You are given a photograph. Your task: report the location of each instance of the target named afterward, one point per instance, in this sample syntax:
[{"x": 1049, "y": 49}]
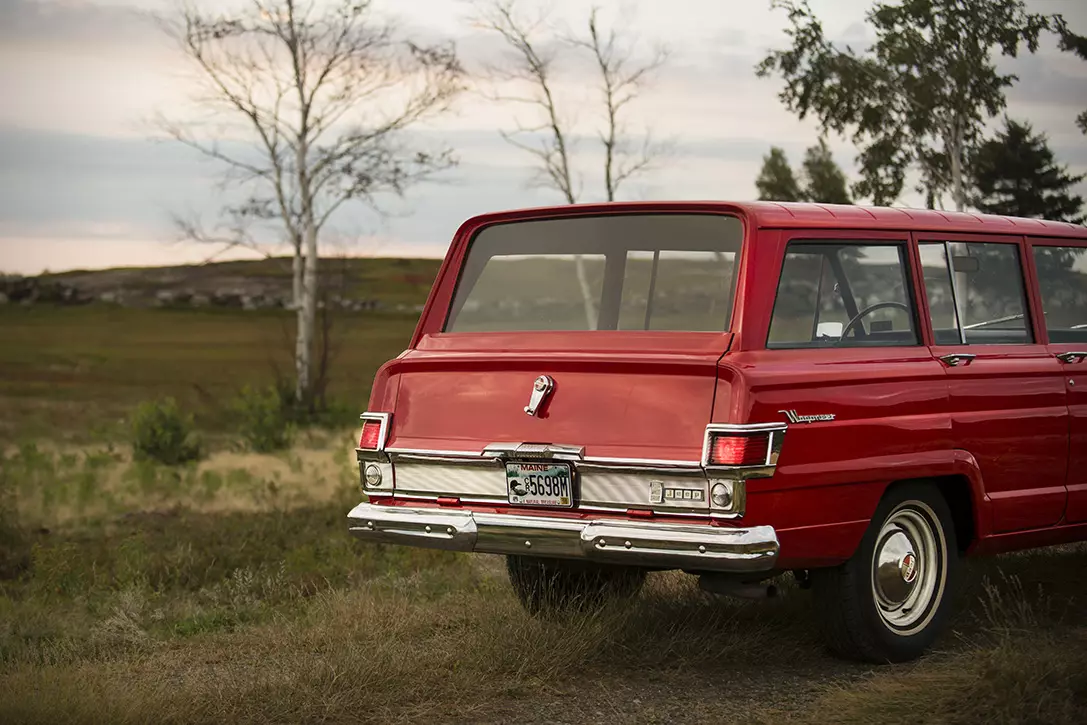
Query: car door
[
  {"x": 1061, "y": 273},
  {"x": 1007, "y": 393}
]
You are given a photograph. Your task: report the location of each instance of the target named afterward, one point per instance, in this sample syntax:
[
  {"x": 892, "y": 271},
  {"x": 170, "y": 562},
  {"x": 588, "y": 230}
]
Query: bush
[
  {"x": 264, "y": 418},
  {"x": 161, "y": 432}
]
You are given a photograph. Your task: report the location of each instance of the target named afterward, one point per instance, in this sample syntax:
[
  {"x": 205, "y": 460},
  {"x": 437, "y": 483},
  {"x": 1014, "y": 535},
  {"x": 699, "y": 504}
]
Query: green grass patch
[{"x": 76, "y": 373}]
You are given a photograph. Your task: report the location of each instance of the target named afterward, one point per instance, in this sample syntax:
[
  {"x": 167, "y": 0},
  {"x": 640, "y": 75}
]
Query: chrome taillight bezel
[{"x": 765, "y": 469}]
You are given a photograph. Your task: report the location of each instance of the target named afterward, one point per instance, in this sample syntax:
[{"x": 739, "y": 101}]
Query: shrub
[
  {"x": 264, "y": 419},
  {"x": 161, "y": 432}
]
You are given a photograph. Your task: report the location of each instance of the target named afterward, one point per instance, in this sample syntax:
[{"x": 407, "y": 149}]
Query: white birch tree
[{"x": 309, "y": 106}]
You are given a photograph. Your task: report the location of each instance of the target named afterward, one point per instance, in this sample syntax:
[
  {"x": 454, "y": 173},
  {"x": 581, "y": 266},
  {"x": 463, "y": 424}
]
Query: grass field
[
  {"x": 74, "y": 373},
  {"x": 229, "y": 591}
]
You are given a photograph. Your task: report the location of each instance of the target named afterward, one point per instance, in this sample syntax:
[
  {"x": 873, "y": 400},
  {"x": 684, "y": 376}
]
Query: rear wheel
[
  {"x": 551, "y": 585},
  {"x": 889, "y": 602}
]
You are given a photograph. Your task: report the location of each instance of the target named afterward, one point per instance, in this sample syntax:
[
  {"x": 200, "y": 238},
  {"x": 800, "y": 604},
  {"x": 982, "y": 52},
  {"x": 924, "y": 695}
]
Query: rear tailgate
[{"x": 651, "y": 401}]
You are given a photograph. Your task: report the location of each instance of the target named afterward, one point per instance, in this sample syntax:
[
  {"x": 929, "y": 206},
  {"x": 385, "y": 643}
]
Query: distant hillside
[{"x": 353, "y": 283}]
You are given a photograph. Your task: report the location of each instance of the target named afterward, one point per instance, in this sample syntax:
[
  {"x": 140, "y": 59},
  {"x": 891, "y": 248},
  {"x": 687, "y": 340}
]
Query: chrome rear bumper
[{"x": 634, "y": 543}]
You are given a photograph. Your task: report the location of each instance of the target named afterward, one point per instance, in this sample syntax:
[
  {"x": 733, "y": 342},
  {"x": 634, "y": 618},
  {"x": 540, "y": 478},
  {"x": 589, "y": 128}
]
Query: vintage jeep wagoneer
[{"x": 858, "y": 396}]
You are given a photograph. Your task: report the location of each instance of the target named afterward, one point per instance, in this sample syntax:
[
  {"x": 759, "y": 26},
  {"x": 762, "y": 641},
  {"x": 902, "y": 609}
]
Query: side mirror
[{"x": 829, "y": 329}]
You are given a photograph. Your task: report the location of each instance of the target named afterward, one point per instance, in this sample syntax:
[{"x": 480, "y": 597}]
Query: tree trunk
[
  {"x": 958, "y": 185},
  {"x": 307, "y": 313},
  {"x": 307, "y": 317}
]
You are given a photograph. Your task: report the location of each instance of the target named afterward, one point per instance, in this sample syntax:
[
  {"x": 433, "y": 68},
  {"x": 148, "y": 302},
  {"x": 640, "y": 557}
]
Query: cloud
[{"x": 73, "y": 25}]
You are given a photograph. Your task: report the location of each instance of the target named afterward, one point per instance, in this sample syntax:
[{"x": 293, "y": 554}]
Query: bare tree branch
[{"x": 319, "y": 97}]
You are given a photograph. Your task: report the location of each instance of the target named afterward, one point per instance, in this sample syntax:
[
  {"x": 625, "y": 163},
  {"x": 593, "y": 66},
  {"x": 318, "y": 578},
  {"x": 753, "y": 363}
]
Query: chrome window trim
[{"x": 954, "y": 293}]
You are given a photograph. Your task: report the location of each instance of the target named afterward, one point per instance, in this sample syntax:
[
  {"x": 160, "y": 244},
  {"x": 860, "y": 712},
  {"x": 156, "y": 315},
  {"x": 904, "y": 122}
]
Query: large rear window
[{"x": 620, "y": 272}]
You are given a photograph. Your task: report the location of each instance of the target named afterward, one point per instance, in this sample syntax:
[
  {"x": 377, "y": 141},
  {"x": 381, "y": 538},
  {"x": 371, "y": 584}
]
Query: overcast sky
[{"x": 83, "y": 184}]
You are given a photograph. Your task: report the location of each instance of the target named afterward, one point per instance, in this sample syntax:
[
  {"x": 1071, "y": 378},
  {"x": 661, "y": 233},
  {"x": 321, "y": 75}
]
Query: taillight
[
  {"x": 375, "y": 428},
  {"x": 743, "y": 450},
  {"x": 371, "y": 435},
  {"x": 754, "y": 445}
]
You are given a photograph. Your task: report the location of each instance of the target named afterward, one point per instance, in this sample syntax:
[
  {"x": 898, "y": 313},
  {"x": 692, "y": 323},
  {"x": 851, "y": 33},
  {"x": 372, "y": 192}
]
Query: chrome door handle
[
  {"x": 1072, "y": 357},
  {"x": 954, "y": 360}
]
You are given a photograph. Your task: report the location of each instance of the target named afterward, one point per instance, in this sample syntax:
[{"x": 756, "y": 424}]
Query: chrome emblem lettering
[
  {"x": 795, "y": 417},
  {"x": 541, "y": 389}
]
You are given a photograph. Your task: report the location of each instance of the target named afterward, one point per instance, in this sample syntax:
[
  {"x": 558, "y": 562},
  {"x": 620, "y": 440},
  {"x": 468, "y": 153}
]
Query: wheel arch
[{"x": 963, "y": 490}]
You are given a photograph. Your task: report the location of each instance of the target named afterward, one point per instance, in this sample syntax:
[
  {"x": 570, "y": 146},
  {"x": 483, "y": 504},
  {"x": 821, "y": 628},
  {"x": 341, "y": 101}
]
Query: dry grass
[{"x": 230, "y": 592}]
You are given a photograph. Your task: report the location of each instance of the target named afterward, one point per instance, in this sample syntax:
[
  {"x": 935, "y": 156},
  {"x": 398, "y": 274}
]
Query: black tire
[
  {"x": 547, "y": 586},
  {"x": 868, "y": 617}
]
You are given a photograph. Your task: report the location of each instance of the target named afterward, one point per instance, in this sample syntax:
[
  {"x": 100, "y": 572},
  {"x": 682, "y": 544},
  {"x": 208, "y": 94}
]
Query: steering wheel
[{"x": 867, "y": 311}]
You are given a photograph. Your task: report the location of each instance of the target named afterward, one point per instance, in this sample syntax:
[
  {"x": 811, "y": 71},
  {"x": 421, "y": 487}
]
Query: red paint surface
[{"x": 1010, "y": 429}]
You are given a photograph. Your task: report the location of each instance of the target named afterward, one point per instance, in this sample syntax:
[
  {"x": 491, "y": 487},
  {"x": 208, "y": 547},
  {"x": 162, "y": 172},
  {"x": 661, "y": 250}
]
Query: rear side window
[
  {"x": 1062, "y": 281},
  {"x": 617, "y": 272},
  {"x": 975, "y": 293},
  {"x": 843, "y": 294}
]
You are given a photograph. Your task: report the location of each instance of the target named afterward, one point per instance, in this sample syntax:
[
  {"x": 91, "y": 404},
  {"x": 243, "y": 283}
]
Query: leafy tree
[
  {"x": 1073, "y": 43},
  {"x": 823, "y": 179},
  {"x": 776, "y": 181},
  {"x": 1016, "y": 174},
  {"x": 919, "y": 96}
]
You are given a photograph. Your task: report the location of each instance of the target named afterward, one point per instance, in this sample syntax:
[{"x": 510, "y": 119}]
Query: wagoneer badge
[
  {"x": 795, "y": 417},
  {"x": 540, "y": 390}
]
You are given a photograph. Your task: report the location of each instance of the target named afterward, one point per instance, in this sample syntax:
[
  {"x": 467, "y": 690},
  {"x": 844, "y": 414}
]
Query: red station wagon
[{"x": 859, "y": 396}]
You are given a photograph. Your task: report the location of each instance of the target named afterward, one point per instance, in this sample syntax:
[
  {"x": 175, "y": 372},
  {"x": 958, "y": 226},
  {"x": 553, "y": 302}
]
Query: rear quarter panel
[{"x": 890, "y": 407}]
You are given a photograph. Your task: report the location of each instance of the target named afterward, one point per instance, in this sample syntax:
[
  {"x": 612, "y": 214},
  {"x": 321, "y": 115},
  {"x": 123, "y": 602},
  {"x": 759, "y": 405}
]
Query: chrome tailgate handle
[
  {"x": 957, "y": 359},
  {"x": 1072, "y": 358}
]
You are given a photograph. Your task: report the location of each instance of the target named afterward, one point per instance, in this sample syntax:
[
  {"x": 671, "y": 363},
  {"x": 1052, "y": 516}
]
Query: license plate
[{"x": 540, "y": 484}]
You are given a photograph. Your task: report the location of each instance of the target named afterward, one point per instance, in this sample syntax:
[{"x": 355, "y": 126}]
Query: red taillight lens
[
  {"x": 371, "y": 435},
  {"x": 733, "y": 450}
]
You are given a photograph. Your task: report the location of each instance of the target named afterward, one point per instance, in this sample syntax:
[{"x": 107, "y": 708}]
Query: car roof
[
  {"x": 788, "y": 215},
  {"x": 784, "y": 215}
]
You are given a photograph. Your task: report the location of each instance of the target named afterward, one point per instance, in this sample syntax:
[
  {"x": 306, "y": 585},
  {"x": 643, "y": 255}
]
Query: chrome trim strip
[
  {"x": 634, "y": 543},
  {"x": 593, "y": 465},
  {"x": 434, "y": 453},
  {"x": 399, "y": 457},
  {"x": 641, "y": 463},
  {"x": 473, "y": 499},
  {"x": 533, "y": 450},
  {"x": 955, "y": 292}
]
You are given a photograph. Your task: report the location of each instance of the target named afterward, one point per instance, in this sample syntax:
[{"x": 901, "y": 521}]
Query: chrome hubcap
[{"x": 909, "y": 567}]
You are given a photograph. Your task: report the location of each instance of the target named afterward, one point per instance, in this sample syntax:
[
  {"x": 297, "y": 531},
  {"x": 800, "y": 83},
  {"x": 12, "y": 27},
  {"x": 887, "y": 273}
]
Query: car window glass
[
  {"x": 990, "y": 292},
  {"x": 610, "y": 272},
  {"x": 940, "y": 293},
  {"x": 843, "y": 294},
  {"x": 1062, "y": 281},
  {"x": 675, "y": 290},
  {"x": 534, "y": 292}
]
